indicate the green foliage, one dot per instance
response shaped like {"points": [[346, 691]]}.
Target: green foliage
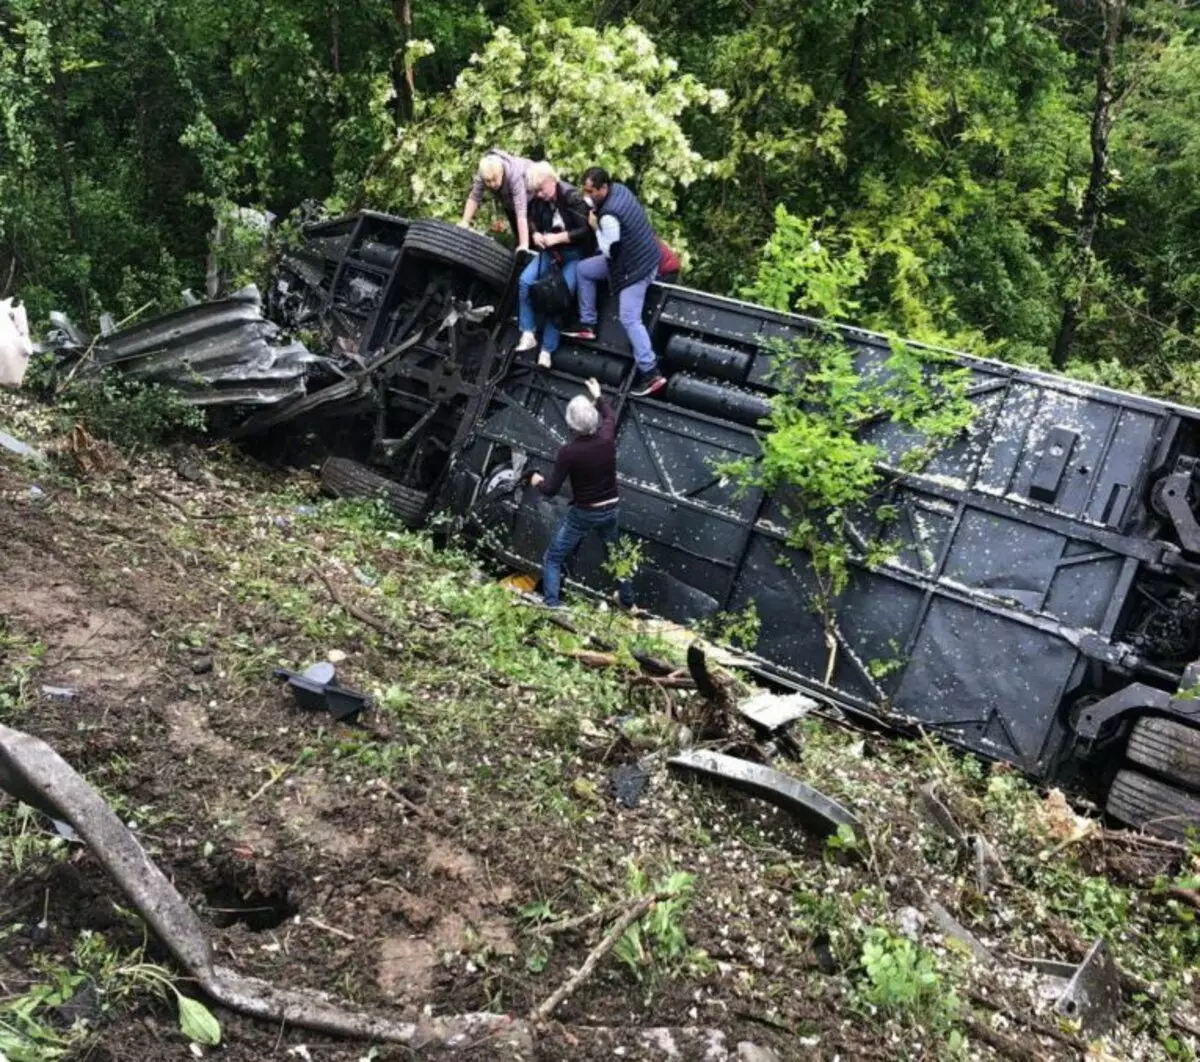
{"points": [[572, 94], [739, 629], [128, 412], [624, 559], [656, 945], [808, 268], [902, 978], [812, 449], [27, 1020]]}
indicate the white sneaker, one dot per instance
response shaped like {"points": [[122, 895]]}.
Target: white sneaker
{"points": [[527, 342], [544, 360]]}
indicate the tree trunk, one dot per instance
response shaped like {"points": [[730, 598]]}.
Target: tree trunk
{"points": [[335, 36], [66, 171], [1093, 199], [402, 70]]}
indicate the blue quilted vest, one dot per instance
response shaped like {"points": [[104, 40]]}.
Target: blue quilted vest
{"points": [[638, 255]]}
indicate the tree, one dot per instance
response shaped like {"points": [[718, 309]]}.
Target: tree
{"points": [[1111, 12], [571, 94]]}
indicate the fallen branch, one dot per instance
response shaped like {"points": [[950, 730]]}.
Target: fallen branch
{"points": [[1006, 1045], [1081, 833], [667, 682], [1142, 840], [32, 771], [635, 911], [590, 658], [1035, 1026], [331, 929], [360, 614], [1189, 896]]}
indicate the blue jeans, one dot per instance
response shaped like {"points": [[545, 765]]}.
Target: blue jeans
{"points": [[538, 266], [570, 533], [632, 301]]}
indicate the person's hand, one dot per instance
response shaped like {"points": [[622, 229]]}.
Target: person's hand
{"points": [[593, 387], [593, 220], [524, 249], [539, 241], [535, 479], [463, 223]]}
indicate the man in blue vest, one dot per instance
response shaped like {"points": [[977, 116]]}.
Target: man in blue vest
{"points": [[628, 260]]}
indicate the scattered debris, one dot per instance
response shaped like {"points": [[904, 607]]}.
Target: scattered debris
{"points": [[15, 345], [813, 808], [21, 449], [60, 693], [202, 665], [321, 694], [1093, 995], [771, 715], [32, 771], [950, 927], [629, 781]]}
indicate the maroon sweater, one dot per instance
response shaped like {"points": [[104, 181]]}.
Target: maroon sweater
{"points": [[590, 461]]}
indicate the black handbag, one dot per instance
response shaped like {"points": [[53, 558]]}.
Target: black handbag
{"points": [[549, 295]]}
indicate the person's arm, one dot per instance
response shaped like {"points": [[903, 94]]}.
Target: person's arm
{"points": [[517, 189], [558, 475], [474, 198], [608, 234], [575, 220], [608, 420]]}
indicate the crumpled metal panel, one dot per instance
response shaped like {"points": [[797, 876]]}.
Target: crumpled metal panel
{"points": [[215, 353]]}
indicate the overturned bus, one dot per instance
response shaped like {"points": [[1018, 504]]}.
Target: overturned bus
{"points": [[1041, 605]]}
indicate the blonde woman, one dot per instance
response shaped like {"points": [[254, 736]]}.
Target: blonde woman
{"points": [[558, 220], [504, 175]]}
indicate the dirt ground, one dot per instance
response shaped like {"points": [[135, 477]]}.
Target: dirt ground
{"points": [[405, 863]]}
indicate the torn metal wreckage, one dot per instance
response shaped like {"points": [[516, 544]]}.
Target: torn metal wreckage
{"points": [[1041, 604]]}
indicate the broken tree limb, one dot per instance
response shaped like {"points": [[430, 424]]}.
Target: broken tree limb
{"points": [[666, 682], [1008, 1046], [360, 614], [635, 911], [1188, 896], [32, 771]]}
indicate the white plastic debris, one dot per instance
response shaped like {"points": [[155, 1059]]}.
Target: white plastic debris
{"points": [[15, 346]]}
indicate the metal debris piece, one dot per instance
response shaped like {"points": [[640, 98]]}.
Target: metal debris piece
{"points": [[60, 693], [1093, 995], [949, 926], [629, 781], [66, 831], [769, 712], [939, 815], [317, 695], [813, 808], [21, 449]]}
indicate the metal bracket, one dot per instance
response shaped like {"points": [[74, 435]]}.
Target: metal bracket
{"points": [[1173, 497], [1135, 698]]}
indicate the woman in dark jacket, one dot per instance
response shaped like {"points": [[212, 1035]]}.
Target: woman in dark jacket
{"points": [[558, 224]]}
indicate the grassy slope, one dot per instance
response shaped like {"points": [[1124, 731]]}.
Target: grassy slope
{"points": [[490, 738]]}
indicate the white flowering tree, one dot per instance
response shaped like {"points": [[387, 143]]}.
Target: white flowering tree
{"points": [[570, 94]]}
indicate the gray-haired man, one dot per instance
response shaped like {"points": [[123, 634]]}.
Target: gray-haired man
{"points": [[589, 459]]}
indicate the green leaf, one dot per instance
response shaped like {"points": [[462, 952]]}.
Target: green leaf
{"points": [[197, 1022]]}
